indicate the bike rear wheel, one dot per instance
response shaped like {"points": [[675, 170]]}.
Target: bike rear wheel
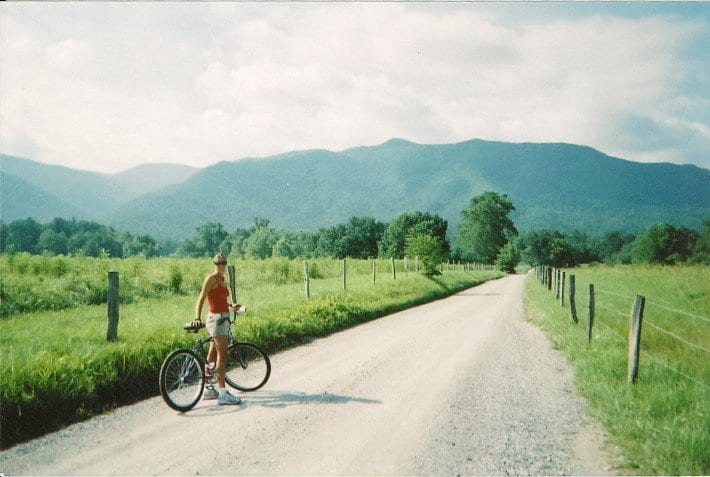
{"points": [[182, 379], [248, 367]]}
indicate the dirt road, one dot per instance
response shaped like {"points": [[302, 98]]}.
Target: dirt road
{"points": [[460, 386]]}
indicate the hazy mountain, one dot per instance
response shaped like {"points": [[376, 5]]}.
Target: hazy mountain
{"points": [[552, 185], [560, 186], [42, 191]]}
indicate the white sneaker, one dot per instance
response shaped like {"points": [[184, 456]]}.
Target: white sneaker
{"points": [[210, 393], [226, 397]]}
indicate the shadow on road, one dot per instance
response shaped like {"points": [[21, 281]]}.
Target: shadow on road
{"points": [[275, 399]]}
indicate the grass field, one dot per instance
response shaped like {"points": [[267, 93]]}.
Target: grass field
{"points": [[662, 423], [56, 365]]}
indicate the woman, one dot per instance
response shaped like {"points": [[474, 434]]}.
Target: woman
{"points": [[215, 291]]}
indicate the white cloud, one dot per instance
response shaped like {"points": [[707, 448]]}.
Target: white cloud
{"points": [[108, 86]]}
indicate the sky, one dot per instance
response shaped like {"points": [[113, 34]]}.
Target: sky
{"points": [[108, 86]]}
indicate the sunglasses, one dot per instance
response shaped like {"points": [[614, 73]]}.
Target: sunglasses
{"points": [[220, 263]]}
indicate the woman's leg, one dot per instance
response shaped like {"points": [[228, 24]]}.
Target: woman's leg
{"points": [[220, 344]]}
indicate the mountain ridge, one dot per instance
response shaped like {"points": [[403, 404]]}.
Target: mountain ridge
{"points": [[554, 185]]}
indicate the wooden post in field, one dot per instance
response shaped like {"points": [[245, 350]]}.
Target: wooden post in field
{"points": [[590, 314], [635, 338], [394, 270], [549, 278], [306, 279], [557, 283], [416, 263], [562, 290], [406, 265], [112, 302], [345, 274], [572, 304]]}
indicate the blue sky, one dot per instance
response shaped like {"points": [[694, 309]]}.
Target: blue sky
{"points": [[108, 86]]}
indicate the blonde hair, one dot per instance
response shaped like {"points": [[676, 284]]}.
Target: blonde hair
{"points": [[219, 258]]}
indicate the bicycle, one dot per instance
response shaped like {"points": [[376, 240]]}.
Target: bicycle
{"points": [[183, 377]]}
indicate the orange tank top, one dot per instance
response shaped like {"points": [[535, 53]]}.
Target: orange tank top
{"points": [[217, 298]]}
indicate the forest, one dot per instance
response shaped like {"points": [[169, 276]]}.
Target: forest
{"points": [[486, 235]]}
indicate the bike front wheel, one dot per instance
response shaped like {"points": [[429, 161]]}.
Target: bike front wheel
{"points": [[248, 367], [182, 379]]}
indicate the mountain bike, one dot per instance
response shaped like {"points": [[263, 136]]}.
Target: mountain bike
{"points": [[183, 375]]}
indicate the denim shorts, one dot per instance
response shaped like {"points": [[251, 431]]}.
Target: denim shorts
{"points": [[215, 329]]}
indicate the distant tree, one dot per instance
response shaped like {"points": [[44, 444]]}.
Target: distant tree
{"points": [[701, 251], [3, 236], [508, 258], [396, 233], [51, 241], [23, 235], [283, 248], [358, 238], [665, 244], [210, 236], [141, 245], [486, 227], [546, 247], [260, 244], [430, 250], [613, 247]]}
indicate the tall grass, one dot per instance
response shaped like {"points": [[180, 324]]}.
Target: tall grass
{"points": [[56, 366], [662, 423]]}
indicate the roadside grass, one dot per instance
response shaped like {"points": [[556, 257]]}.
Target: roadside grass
{"points": [[662, 423], [56, 367]]}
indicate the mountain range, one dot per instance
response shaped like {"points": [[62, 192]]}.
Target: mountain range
{"points": [[552, 185]]}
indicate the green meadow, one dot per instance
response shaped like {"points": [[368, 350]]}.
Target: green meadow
{"points": [[661, 424], [56, 365]]}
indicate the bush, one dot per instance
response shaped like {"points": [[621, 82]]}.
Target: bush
{"points": [[508, 258]]}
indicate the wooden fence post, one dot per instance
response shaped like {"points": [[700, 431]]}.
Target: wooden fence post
{"points": [[635, 338], [306, 279], [113, 299], [416, 263], [394, 270], [549, 278], [345, 274], [374, 270], [562, 290], [590, 314], [572, 304]]}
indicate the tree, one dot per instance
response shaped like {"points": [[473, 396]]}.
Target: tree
{"points": [[53, 242], [508, 258], [546, 247], [701, 251], [395, 235], [665, 244], [430, 250], [613, 247], [358, 238], [486, 227], [22, 235], [260, 244]]}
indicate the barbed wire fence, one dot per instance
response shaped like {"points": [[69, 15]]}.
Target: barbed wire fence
{"points": [[608, 301]]}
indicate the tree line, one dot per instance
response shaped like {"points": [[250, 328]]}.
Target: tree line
{"points": [[486, 235]]}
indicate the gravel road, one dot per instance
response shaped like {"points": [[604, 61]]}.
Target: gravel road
{"points": [[461, 386]]}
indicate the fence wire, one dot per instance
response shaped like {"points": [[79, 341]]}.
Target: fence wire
{"points": [[654, 303], [681, 312], [673, 335]]}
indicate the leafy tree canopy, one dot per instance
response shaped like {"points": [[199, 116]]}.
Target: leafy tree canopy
{"points": [[486, 227]]}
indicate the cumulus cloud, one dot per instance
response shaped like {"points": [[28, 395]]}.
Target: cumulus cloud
{"points": [[109, 86]]}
